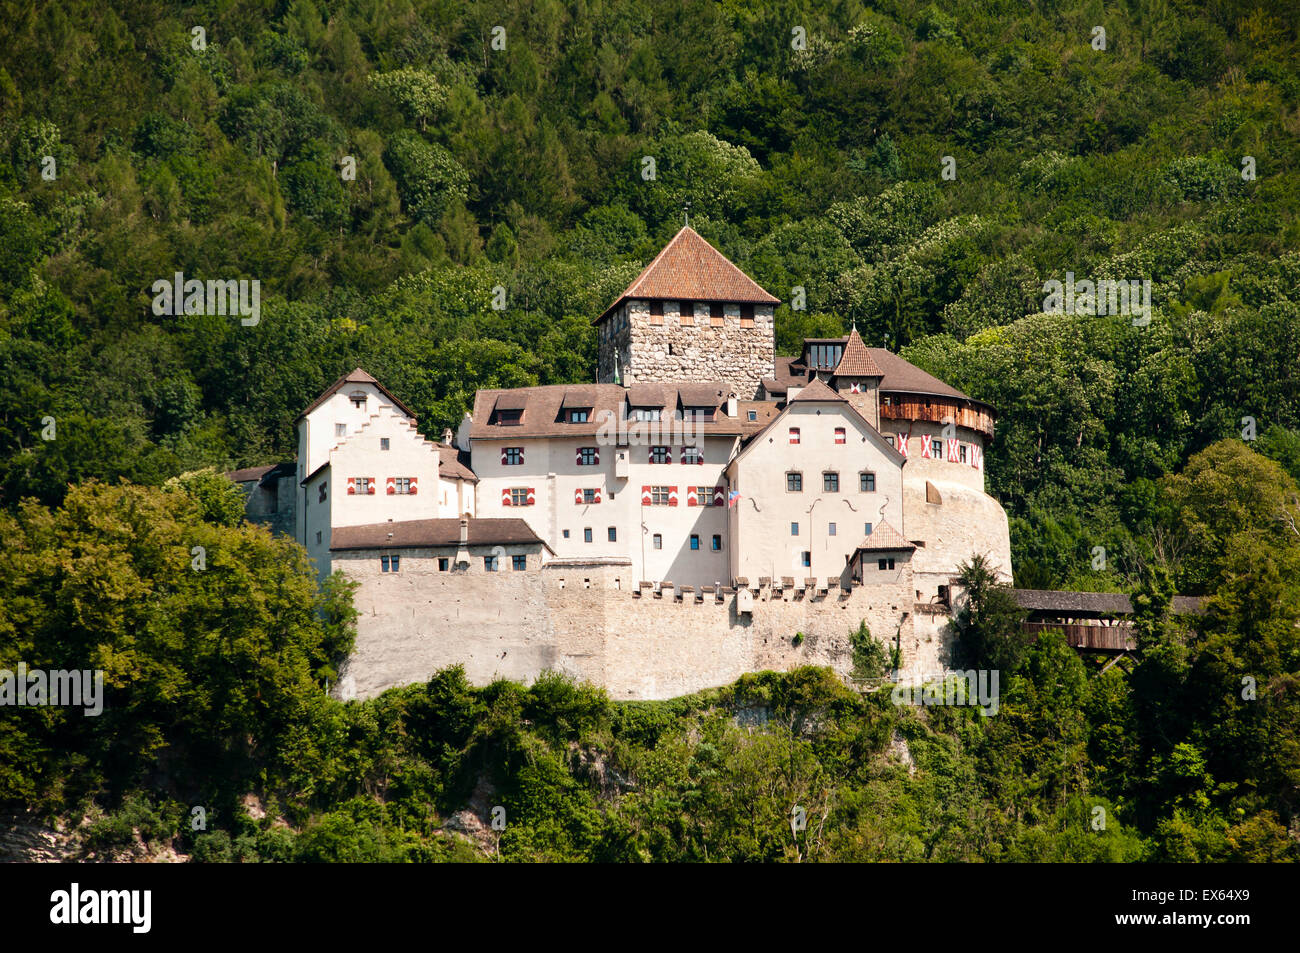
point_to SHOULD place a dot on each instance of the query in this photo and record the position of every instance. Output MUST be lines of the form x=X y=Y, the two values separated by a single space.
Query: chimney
x=462 y=550
x=731 y=406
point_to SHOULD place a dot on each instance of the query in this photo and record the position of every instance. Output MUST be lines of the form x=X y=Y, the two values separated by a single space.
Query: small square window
x=660 y=455
x=586 y=535
x=444 y=563
x=657 y=541
x=885 y=564
x=794 y=482
x=753 y=415
x=613 y=534
x=830 y=530
x=578 y=416
x=589 y=495
x=794 y=529
x=831 y=482
x=340 y=430
x=867 y=482
x=383 y=443
x=807 y=558
x=489 y=564
x=512 y=456
x=695 y=541
x=717 y=543
x=518 y=563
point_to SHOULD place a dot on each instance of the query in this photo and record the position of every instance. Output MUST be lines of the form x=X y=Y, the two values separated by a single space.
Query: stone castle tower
x=690 y=316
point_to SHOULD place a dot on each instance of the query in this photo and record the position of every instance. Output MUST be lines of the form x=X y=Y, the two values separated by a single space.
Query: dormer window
x=510 y=418
x=645 y=413
x=698 y=413
x=358 y=399
x=579 y=416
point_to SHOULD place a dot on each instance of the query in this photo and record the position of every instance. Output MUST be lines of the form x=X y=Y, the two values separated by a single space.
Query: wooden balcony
x=1089 y=638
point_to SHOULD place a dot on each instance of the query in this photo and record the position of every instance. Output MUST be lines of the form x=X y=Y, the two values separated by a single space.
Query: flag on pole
x=731 y=500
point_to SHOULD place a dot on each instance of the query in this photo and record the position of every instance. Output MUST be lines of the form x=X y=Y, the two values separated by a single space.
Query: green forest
x=919 y=169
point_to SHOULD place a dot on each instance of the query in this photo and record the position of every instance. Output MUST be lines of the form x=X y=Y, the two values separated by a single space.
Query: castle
x=704 y=509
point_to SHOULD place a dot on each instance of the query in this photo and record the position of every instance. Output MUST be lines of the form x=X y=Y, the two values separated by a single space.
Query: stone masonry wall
x=584 y=620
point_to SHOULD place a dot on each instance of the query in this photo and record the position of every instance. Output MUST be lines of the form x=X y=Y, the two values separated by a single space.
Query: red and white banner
x=840 y=436
x=902 y=444
x=927 y=442
x=954 y=450
x=794 y=434
x=976 y=456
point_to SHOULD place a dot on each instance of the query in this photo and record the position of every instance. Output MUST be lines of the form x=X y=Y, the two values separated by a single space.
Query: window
x=586 y=535
x=866 y=529
x=444 y=563
x=794 y=529
x=362 y=485
x=794 y=482
x=686 y=314
x=807 y=558
x=510 y=418
x=660 y=495
x=695 y=541
x=830 y=529
x=518 y=496
x=588 y=457
x=704 y=495
x=831 y=482
x=839 y=435
x=885 y=564
x=962 y=453
x=794 y=434
x=657 y=541
x=401 y=485
x=824 y=356
x=489 y=564
x=383 y=443
x=359 y=400
x=867 y=481
x=717 y=543
x=705 y=414
x=340 y=430
x=645 y=413
x=692 y=455
x=318 y=537
x=320 y=496
x=613 y=534
x=659 y=455
x=566 y=533
x=716 y=313
x=390 y=563
x=512 y=456
x=752 y=415
x=746 y=315
x=656 y=312
x=589 y=496
x=578 y=416
x=518 y=563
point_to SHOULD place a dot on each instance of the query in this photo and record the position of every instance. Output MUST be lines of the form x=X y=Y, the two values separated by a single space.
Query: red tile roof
x=885 y=539
x=816 y=390
x=690 y=269
x=856 y=360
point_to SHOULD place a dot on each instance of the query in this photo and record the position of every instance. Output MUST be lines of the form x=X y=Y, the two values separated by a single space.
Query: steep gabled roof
x=690 y=269
x=856 y=361
x=357 y=376
x=817 y=390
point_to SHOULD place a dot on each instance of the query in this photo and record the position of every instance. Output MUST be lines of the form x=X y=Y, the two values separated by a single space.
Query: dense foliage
x=130 y=151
